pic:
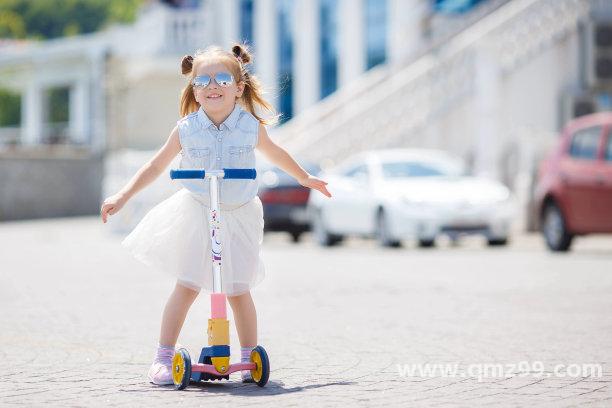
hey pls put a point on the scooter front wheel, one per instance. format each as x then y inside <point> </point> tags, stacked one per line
<point>261,373</point>
<point>181,369</point>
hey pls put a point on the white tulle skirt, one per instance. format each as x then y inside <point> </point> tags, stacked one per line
<point>174,238</point>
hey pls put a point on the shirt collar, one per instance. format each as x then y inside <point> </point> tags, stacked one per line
<point>230,122</point>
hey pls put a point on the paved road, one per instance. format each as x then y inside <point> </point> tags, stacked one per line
<point>79,321</point>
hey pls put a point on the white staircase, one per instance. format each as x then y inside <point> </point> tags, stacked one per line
<point>390,107</point>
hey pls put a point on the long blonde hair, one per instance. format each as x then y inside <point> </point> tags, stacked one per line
<point>235,61</point>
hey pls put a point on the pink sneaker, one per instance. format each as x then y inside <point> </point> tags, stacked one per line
<point>160,374</point>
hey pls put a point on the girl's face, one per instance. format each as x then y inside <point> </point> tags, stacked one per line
<point>215,98</point>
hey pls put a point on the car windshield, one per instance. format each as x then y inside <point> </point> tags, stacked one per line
<point>404,169</point>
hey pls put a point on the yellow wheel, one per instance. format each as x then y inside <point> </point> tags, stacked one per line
<point>181,369</point>
<point>261,373</point>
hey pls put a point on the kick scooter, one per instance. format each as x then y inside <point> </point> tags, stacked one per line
<point>214,362</point>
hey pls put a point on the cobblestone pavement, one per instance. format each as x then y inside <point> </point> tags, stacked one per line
<point>79,320</point>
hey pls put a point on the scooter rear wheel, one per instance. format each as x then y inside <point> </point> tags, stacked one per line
<point>261,373</point>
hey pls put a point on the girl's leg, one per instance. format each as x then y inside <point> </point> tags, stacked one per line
<point>245,318</point>
<point>246,326</point>
<point>172,321</point>
<point>175,312</point>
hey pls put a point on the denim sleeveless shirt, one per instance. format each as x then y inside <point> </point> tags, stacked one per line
<point>204,146</point>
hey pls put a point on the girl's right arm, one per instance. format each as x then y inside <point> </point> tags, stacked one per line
<point>143,177</point>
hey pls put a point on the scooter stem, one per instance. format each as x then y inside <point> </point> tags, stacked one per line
<point>215,232</point>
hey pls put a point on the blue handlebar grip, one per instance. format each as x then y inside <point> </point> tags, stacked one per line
<point>187,174</point>
<point>240,173</point>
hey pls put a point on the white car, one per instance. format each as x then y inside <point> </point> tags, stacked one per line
<point>406,194</point>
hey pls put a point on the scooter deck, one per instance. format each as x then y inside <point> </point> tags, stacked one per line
<point>210,369</point>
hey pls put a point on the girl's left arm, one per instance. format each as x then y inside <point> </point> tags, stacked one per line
<point>282,159</point>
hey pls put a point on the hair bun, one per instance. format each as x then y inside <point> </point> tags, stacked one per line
<point>241,52</point>
<point>186,64</point>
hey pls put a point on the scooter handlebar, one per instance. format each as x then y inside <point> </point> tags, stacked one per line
<point>187,174</point>
<point>244,174</point>
<point>240,174</point>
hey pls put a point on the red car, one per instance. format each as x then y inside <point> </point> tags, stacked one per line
<point>574,190</point>
<point>284,199</point>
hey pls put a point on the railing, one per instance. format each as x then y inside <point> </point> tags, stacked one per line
<point>394,111</point>
<point>443,27</point>
<point>51,134</point>
<point>10,135</point>
<point>186,30</point>
<point>55,133</point>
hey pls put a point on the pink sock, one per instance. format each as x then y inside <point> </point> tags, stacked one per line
<point>164,355</point>
<point>245,357</point>
<point>245,354</point>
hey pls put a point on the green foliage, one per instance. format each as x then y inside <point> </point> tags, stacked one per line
<point>58,18</point>
<point>10,108</point>
<point>123,10</point>
<point>11,25</point>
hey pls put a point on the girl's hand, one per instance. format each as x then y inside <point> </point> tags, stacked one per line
<point>315,183</point>
<point>112,205</point>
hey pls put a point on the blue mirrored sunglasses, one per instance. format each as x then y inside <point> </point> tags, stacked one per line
<point>223,79</point>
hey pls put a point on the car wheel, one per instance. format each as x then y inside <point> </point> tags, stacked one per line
<point>497,241</point>
<point>383,235</point>
<point>427,243</point>
<point>295,236</point>
<point>554,228</point>
<point>321,235</point>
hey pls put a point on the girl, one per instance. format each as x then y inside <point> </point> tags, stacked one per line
<point>219,129</point>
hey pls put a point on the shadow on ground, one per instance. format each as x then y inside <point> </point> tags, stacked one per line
<point>252,390</point>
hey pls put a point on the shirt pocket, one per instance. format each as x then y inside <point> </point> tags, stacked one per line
<point>239,156</point>
<point>200,156</point>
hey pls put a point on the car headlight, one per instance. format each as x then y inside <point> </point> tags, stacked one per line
<point>269,178</point>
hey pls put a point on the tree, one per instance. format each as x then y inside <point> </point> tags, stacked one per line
<point>58,18</point>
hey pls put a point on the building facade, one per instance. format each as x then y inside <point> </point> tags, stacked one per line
<point>322,62</point>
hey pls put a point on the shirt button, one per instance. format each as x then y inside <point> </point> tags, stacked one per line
<point>218,158</point>
<point>219,139</point>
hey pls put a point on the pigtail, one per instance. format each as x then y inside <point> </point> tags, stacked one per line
<point>186,64</point>
<point>241,52</point>
<point>188,103</point>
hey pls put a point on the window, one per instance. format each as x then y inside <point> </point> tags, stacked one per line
<point>585,143</point>
<point>285,44</point>
<point>376,31</point>
<point>410,169</point>
<point>359,172</point>
<point>329,49</point>
<point>246,21</point>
